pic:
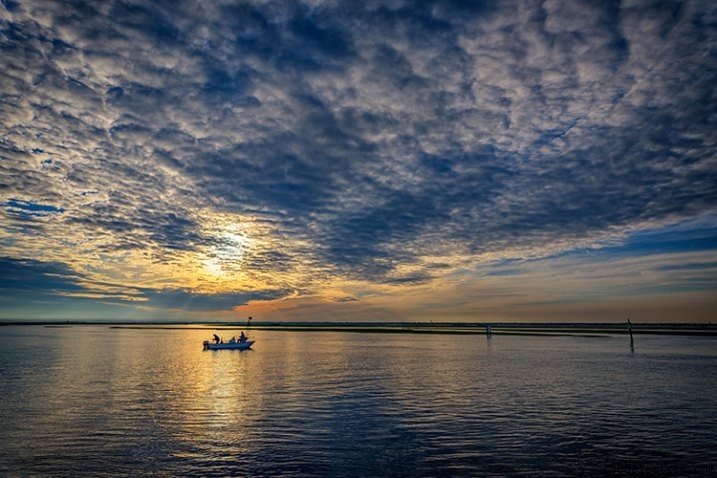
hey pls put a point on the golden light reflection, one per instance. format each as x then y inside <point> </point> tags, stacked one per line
<point>218,391</point>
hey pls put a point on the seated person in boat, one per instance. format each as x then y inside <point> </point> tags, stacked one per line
<point>217,339</point>
<point>242,337</point>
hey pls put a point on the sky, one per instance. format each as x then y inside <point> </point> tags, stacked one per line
<point>446,161</point>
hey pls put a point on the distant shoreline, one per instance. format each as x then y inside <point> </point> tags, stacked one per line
<point>543,329</point>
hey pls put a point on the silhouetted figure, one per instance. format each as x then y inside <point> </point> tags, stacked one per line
<point>217,339</point>
<point>242,337</point>
<point>629,330</point>
<point>488,331</point>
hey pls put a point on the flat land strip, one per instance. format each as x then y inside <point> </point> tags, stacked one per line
<point>575,329</point>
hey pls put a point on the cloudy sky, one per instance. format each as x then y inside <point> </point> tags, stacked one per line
<point>361,160</point>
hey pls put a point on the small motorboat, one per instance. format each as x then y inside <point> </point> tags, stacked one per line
<point>228,345</point>
<point>242,343</point>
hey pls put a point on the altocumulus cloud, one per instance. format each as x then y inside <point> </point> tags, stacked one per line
<point>386,142</point>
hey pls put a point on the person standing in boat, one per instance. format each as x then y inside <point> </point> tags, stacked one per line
<point>242,337</point>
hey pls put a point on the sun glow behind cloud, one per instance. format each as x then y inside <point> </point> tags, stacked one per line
<point>226,257</point>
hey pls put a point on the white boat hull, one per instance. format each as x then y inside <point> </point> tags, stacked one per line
<point>228,345</point>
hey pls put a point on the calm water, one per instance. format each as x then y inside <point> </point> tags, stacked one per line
<point>121,402</point>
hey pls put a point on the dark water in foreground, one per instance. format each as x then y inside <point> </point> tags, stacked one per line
<point>121,402</point>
